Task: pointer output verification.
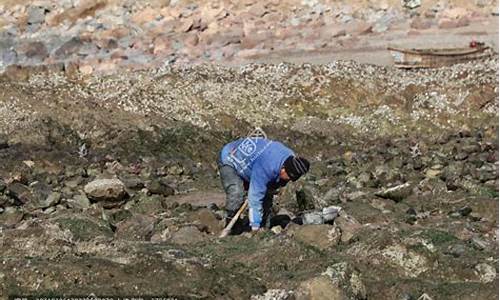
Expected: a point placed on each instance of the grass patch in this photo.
(488, 192)
(438, 237)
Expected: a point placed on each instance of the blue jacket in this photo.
(257, 161)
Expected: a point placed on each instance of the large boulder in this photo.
(105, 190)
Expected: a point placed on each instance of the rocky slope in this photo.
(108, 184)
(105, 36)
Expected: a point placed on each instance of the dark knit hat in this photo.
(296, 166)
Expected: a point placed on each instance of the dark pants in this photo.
(234, 187)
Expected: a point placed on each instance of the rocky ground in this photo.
(106, 36)
(108, 180)
(109, 184)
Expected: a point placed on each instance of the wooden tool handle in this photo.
(229, 226)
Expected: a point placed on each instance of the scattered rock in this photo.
(86, 69)
(81, 10)
(456, 250)
(52, 200)
(397, 193)
(11, 216)
(84, 228)
(160, 188)
(277, 229)
(305, 199)
(446, 23)
(479, 243)
(187, 235)
(68, 48)
(411, 263)
(348, 226)
(348, 278)
(332, 196)
(431, 186)
(411, 211)
(464, 211)
(320, 236)
(455, 12)
(147, 15)
(20, 193)
(137, 228)
(354, 196)
(35, 50)
(3, 142)
(312, 218)
(191, 41)
(148, 204)
(486, 272)
(79, 202)
(105, 190)
(421, 23)
(411, 4)
(319, 288)
(485, 174)
(433, 173)
(274, 294)
(356, 27)
(134, 183)
(207, 221)
(36, 14)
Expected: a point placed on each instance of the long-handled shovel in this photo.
(229, 226)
